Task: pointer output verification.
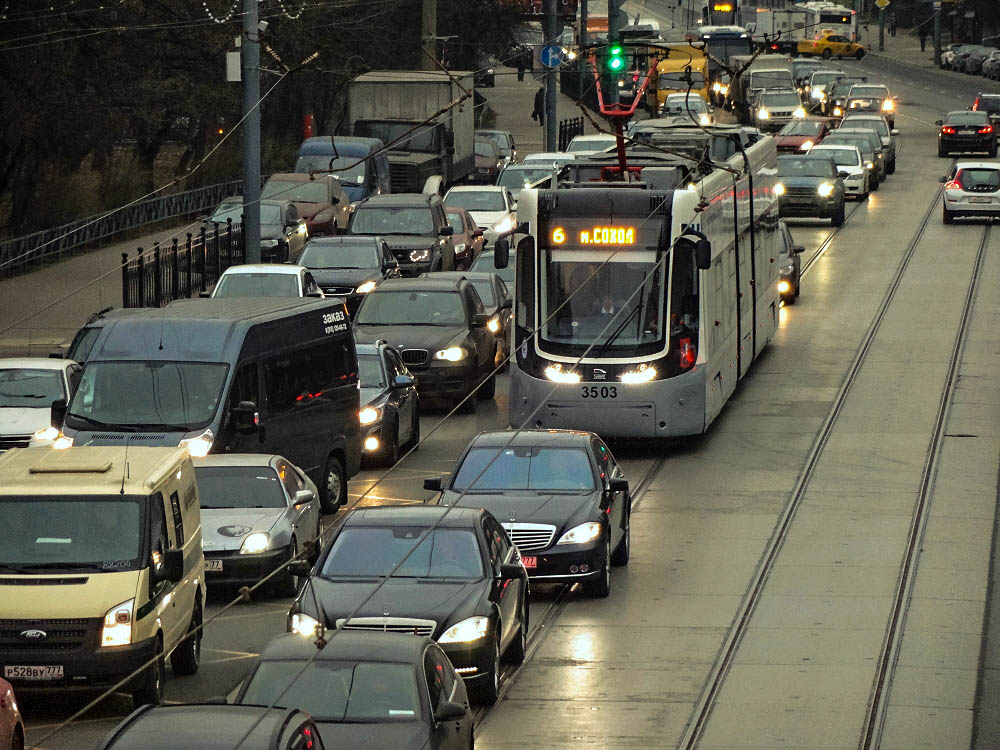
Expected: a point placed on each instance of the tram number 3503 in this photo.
(602, 391)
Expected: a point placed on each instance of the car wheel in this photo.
(993, 152)
(788, 299)
(891, 168)
(186, 658)
(876, 184)
(150, 690)
(285, 584)
(601, 587)
(519, 646)
(333, 493)
(942, 153)
(488, 389)
(390, 453)
(859, 54)
(414, 441)
(827, 54)
(468, 406)
(624, 549)
(17, 741)
(488, 692)
(838, 217)
(948, 217)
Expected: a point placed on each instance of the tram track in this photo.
(754, 592)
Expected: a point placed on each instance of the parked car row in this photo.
(972, 59)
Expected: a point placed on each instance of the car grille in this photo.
(403, 178)
(799, 192)
(389, 625)
(14, 441)
(530, 536)
(415, 357)
(338, 289)
(60, 635)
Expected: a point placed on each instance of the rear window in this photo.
(979, 178)
(987, 104)
(967, 118)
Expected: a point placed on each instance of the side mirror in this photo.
(244, 417)
(57, 413)
(435, 484)
(796, 249)
(703, 255)
(303, 497)
(480, 320)
(942, 180)
(939, 122)
(205, 294)
(301, 568)
(315, 294)
(501, 252)
(172, 566)
(843, 175)
(449, 711)
(403, 381)
(510, 570)
(618, 485)
(894, 131)
(447, 231)
(506, 304)
(477, 233)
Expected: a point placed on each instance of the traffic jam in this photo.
(229, 446)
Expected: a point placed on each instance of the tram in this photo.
(637, 310)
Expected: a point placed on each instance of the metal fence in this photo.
(155, 277)
(568, 129)
(34, 248)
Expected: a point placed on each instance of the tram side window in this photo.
(683, 296)
(524, 268)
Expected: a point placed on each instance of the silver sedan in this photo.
(257, 511)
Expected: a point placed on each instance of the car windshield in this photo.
(591, 144)
(455, 221)
(228, 210)
(376, 551)
(682, 104)
(351, 168)
(485, 148)
(270, 214)
(485, 289)
(822, 78)
(780, 100)
(26, 387)
(386, 220)
(806, 167)
(257, 285)
(842, 157)
(239, 487)
(770, 78)
(150, 395)
(524, 468)
(875, 125)
(802, 127)
(389, 308)
(520, 177)
(979, 178)
(678, 79)
(868, 91)
(337, 691)
(338, 254)
(370, 371)
(967, 118)
(499, 140)
(843, 139)
(477, 200)
(68, 531)
(484, 264)
(304, 192)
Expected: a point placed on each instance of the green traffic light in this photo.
(615, 60)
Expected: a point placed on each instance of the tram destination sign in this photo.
(570, 232)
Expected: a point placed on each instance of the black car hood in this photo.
(399, 735)
(803, 180)
(431, 338)
(344, 276)
(556, 509)
(444, 601)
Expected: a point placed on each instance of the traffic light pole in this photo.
(250, 64)
(881, 29)
(937, 33)
(551, 37)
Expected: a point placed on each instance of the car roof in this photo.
(34, 363)
(348, 645)
(605, 136)
(977, 165)
(346, 145)
(238, 459)
(345, 239)
(526, 438)
(280, 269)
(400, 199)
(414, 515)
(967, 112)
(470, 275)
(432, 283)
(298, 177)
(543, 155)
(476, 189)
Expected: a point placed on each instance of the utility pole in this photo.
(250, 64)
(614, 21)
(428, 34)
(582, 35)
(881, 29)
(551, 28)
(937, 33)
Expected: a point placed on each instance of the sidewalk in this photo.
(902, 48)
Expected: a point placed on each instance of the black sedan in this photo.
(390, 409)
(790, 266)
(349, 267)
(497, 302)
(966, 130)
(440, 327)
(810, 186)
(366, 690)
(561, 497)
(448, 573)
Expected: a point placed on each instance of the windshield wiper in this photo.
(98, 423)
(66, 565)
(341, 268)
(22, 395)
(12, 568)
(617, 332)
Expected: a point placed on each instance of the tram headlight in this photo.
(642, 374)
(556, 374)
(724, 89)
(825, 190)
(799, 112)
(779, 189)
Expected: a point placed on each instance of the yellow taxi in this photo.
(829, 44)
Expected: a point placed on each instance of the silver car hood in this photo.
(224, 529)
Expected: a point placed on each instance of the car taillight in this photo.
(687, 353)
(948, 129)
(953, 185)
(975, 105)
(986, 131)
(774, 46)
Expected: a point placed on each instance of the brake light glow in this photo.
(687, 353)
(948, 129)
(986, 131)
(953, 185)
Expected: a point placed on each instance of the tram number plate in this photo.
(530, 561)
(51, 672)
(599, 391)
(980, 199)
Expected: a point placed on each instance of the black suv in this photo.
(414, 225)
(440, 328)
(989, 103)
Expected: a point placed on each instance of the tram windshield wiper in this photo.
(618, 331)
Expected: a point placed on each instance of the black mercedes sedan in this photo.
(390, 407)
(448, 573)
(498, 303)
(349, 267)
(560, 495)
(366, 690)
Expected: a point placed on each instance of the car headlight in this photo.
(853, 178)
(641, 375)
(62, 442)
(493, 325)
(269, 243)
(585, 532)
(716, 87)
(763, 114)
(48, 434)
(365, 288)
(418, 256)
(556, 374)
(302, 229)
(869, 165)
(468, 630)
(888, 105)
(460, 247)
(784, 287)
(799, 112)
(505, 224)
(323, 216)
(724, 89)
(304, 624)
(816, 94)
(837, 111)
(117, 630)
(369, 414)
(451, 354)
(200, 445)
(806, 145)
(704, 119)
(779, 189)
(255, 543)
(825, 190)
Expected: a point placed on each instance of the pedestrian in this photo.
(538, 113)
(892, 24)
(520, 66)
(923, 36)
